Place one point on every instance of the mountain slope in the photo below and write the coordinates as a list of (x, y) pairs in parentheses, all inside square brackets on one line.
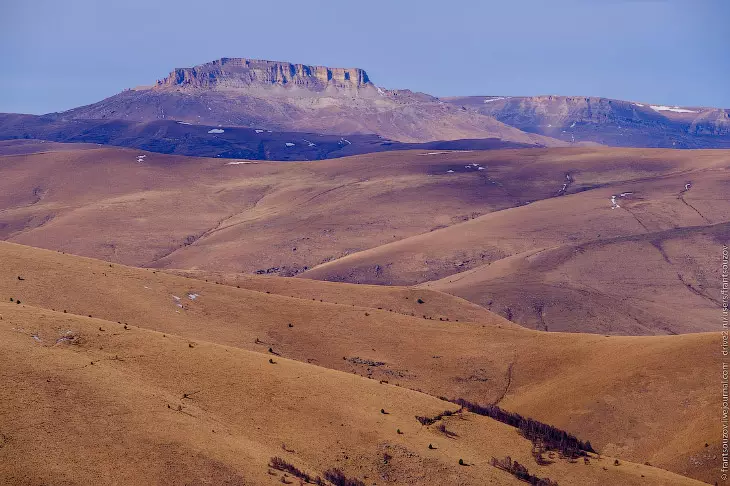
[(297, 98), (607, 121)]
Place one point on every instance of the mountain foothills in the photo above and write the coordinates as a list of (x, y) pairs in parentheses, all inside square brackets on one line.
[(271, 110), (602, 240), (474, 290)]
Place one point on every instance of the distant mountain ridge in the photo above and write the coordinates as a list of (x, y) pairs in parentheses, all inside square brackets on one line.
[(282, 96), (607, 121), (249, 99)]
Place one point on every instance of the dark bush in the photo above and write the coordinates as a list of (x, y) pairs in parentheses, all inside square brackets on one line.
[(520, 472), (433, 420)]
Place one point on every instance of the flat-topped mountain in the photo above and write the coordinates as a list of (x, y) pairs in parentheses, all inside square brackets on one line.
[(281, 96), (239, 107), (240, 72), (607, 121)]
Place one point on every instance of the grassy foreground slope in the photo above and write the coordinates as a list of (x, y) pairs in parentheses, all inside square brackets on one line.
[(86, 401), (638, 398)]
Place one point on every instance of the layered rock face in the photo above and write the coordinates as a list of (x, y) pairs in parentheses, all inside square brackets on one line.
[(241, 72)]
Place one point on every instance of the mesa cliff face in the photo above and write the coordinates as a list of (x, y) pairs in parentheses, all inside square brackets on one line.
[(241, 72)]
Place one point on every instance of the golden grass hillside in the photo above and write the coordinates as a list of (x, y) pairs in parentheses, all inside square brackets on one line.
[(88, 401), (643, 399)]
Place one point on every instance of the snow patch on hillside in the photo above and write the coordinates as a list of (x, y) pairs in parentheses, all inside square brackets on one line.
[(674, 109)]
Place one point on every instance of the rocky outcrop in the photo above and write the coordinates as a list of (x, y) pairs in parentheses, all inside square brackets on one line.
[(241, 72)]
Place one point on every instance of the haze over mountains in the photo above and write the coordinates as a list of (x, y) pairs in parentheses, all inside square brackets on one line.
[(235, 107)]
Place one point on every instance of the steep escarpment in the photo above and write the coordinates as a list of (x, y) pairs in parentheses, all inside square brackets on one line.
[(239, 72)]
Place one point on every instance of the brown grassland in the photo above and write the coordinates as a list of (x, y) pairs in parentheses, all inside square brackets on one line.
[(138, 344)]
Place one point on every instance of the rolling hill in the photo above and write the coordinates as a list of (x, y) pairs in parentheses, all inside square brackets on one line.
[(474, 224), (158, 339)]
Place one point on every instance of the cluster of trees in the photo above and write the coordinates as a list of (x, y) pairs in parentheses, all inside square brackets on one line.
[(432, 420), (334, 475), (520, 472), (282, 465), (544, 435), (338, 478)]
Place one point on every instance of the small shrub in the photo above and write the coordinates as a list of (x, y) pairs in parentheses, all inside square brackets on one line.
[(461, 462), (520, 472), (615, 462), (420, 301)]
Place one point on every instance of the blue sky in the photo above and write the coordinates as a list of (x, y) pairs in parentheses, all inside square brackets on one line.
[(57, 55)]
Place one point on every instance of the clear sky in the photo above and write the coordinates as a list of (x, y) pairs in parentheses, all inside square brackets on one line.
[(58, 54)]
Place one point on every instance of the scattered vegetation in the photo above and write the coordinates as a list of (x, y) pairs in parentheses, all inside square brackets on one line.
[(433, 420), (366, 362), (281, 465), (338, 478), (545, 436), (520, 472)]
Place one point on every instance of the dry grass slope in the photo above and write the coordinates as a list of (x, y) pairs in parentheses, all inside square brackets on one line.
[(638, 398)]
